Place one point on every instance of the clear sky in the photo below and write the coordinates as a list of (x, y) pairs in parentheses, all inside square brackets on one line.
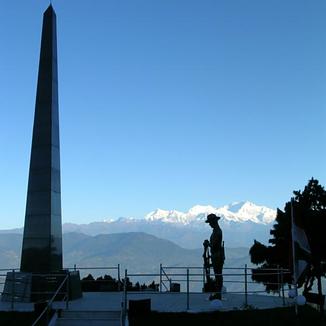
[(168, 103)]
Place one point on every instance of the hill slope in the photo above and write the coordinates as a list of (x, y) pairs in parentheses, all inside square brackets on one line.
[(139, 252)]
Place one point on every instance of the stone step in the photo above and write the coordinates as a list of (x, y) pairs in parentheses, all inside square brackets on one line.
[(92, 318), (87, 322), (97, 314)]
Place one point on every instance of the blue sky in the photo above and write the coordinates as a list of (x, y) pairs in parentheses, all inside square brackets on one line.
[(168, 103)]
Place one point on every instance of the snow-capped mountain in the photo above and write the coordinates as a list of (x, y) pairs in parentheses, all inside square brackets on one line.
[(235, 212), (241, 222)]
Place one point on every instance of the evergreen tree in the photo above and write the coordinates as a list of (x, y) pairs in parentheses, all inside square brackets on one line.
[(311, 205)]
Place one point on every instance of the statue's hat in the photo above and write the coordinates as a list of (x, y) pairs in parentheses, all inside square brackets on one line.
[(212, 218)]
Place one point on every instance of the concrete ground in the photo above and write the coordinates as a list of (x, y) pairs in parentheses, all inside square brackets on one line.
[(165, 301), (104, 308), (91, 307), (177, 302)]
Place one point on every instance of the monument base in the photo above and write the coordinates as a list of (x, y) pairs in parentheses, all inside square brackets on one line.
[(210, 287), (33, 287)]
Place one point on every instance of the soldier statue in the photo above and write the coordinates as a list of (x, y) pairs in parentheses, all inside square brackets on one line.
[(217, 257)]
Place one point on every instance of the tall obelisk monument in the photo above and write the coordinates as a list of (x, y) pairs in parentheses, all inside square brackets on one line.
[(42, 242)]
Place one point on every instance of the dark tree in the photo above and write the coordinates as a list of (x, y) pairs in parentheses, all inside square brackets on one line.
[(310, 204)]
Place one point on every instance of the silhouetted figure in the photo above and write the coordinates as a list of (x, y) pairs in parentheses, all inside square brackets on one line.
[(217, 253)]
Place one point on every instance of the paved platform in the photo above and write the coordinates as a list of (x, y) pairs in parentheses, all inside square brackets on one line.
[(94, 303), (104, 308), (166, 301)]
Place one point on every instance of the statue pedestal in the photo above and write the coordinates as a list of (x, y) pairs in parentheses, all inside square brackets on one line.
[(210, 286), (32, 287)]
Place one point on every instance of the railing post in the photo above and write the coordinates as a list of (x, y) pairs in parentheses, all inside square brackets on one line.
[(160, 277), (319, 286), (203, 279), (187, 288), (246, 286), (278, 280), (67, 289), (125, 294), (13, 290), (75, 267), (282, 287), (119, 278)]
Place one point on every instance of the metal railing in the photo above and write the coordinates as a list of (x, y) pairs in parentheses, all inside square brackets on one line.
[(167, 276), (228, 272), (16, 281), (196, 274)]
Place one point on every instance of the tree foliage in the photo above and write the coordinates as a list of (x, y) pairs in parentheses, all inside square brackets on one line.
[(310, 204)]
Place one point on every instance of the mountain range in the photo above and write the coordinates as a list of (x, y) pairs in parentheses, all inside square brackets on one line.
[(241, 222), (172, 238), (236, 212)]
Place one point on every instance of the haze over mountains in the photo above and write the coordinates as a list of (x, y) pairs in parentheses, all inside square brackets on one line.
[(242, 222), (172, 238), (136, 251)]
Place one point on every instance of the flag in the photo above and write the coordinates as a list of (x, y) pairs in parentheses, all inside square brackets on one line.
[(301, 248)]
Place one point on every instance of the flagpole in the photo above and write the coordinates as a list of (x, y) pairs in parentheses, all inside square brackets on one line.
[(293, 258)]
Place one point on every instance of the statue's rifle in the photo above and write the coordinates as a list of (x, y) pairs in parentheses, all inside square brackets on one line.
[(207, 264)]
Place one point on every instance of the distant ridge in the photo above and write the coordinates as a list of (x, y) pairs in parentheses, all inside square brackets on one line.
[(137, 251), (242, 222)]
